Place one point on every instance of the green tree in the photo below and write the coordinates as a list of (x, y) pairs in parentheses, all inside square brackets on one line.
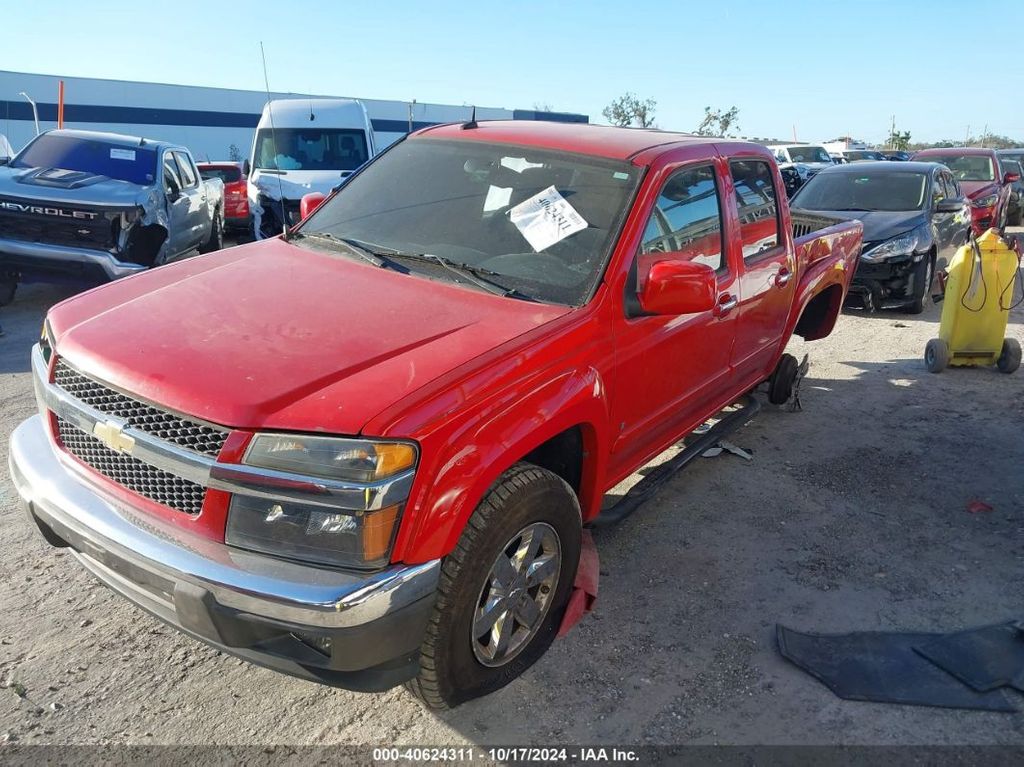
[(898, 140), (234, 153), (718, 123), (630, 110)]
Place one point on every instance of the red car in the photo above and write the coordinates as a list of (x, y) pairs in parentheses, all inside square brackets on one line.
[(982, 179), (364, 453), (236, 198)]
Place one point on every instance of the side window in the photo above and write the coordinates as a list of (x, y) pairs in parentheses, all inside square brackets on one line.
[(755, 200), (938, 190), (687, 218), (188, 173), (170, 172), (952, 188)]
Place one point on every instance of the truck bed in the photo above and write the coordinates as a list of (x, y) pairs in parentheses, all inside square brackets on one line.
[(816, 236)]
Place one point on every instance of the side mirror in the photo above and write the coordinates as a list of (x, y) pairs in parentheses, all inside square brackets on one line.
[(674, 286), (1010, 177), (173, 190), (246, 168), (309, 203), (949, 205)]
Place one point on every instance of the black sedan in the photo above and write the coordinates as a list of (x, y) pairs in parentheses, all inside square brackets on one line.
[(915, 217)]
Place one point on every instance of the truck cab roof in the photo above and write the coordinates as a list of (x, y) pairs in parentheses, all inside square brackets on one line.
[(607, 141), (117, 139)]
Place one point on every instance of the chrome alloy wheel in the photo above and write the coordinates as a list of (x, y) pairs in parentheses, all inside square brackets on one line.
[(516, 595)]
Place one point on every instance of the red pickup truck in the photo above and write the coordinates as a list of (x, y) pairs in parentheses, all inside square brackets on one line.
[(364, 453)]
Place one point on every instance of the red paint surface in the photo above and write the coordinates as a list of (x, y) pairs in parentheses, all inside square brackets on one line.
[(272, 336)]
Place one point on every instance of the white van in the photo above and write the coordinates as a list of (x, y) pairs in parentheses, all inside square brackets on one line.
[(302, 146)]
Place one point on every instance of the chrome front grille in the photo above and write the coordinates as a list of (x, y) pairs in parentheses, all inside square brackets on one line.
[(171, 427), (148, 481)]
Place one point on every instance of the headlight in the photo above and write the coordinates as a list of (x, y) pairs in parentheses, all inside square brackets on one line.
[(902, 245), (985, 202), (354, 460), (317, 534), (318, 531)]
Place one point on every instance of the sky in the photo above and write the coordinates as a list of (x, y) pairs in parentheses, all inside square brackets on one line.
[(814, 69)]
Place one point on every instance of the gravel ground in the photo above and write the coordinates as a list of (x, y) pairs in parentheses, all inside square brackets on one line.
[(851, 516)]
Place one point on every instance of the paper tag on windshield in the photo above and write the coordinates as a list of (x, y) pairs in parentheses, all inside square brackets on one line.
[(122, 154), (546, 218)]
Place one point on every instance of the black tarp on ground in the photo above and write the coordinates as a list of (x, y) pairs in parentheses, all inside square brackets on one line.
[(985, 658), (883, 667)]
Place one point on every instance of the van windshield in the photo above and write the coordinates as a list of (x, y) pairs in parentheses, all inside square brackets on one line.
[(809, 154), (310, 149), (537, 222), (135, 164)]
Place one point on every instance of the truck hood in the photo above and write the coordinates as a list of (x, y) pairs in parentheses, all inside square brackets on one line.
[(294, 183), (53, 185), (978, 189), (273, 336)]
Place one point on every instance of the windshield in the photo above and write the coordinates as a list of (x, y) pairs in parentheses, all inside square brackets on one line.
[(863, 191), (227, 174), (542, 223), (310, 149), (809, 154), (966, 167), (134, 164), (865, 155), (1018, 156)]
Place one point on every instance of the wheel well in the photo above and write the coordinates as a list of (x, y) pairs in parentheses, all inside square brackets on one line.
[(820, 314), (144, 244), (561, 455)]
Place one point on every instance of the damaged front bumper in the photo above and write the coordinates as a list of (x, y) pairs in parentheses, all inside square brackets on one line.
[(82, 263), (361, 631)]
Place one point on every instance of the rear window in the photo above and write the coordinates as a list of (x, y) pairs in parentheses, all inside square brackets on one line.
[(966, 167), (228, 175), (135, 164)]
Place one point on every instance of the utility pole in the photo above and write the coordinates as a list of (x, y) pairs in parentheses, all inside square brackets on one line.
[(967, 138), (891, 143), (984, 135)]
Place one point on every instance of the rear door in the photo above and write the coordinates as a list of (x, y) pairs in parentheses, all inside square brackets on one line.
[(195, 190), (178, 226), (670, 368), (766, 284)]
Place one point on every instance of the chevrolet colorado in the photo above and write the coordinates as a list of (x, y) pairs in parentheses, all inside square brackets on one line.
[(91, 207), (364, 454)]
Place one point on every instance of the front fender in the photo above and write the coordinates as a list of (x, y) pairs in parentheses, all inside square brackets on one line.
[(470, 456)]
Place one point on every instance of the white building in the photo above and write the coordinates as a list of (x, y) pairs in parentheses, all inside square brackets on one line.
[(209, 121)]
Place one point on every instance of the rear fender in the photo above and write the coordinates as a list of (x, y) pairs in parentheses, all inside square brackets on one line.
[(472, 455), (828, 263)]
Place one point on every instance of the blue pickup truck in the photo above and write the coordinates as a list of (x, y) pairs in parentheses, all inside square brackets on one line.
[(90, 207)]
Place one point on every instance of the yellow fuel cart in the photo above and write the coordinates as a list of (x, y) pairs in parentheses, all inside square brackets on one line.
[(979, 296)]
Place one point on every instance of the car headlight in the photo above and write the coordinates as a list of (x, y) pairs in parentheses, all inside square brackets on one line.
[(320, 532), (985, 202), (901, 245)]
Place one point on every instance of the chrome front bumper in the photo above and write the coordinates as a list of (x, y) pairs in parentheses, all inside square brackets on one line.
[(57, 254), (260, 608)]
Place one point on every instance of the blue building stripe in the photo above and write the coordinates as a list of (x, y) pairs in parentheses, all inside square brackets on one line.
[(98, 113)]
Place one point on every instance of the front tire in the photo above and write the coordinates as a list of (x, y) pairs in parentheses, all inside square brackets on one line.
[(924, 275), (503, 589)]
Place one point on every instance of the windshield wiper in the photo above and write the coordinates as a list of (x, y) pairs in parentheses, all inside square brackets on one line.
[(474, 274), (354, 246)]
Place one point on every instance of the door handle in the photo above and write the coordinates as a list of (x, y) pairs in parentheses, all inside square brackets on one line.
[(782, 277), (726, 303)]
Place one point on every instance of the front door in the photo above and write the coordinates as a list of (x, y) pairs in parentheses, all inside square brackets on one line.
[(669, 368), (768, 285), (179, 235)]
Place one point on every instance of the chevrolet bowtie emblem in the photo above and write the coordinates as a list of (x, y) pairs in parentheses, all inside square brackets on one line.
[(112, 435)]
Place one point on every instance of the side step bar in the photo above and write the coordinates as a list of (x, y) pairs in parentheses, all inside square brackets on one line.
[(697, 443)]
